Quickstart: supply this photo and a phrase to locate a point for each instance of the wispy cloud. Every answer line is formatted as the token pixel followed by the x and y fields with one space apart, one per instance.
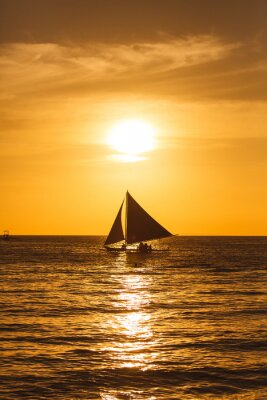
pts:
pixel 53 93
pixel 27 68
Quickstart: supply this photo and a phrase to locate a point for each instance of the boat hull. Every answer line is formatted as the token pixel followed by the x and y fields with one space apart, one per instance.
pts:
pixel 118 250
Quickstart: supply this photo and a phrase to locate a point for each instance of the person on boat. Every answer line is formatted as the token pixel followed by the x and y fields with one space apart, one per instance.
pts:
pixel 141 246
pixel 123 246
pixel 144 247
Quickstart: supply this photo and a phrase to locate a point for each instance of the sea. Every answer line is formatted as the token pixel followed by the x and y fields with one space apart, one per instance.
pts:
pixel 79 322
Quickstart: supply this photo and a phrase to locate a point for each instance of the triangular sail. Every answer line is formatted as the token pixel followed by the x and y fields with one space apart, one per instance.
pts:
pixel 140 225
pixel 116 232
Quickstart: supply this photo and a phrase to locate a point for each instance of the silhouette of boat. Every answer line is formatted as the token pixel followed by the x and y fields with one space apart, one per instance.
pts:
pixel 5 235
pixel 139 228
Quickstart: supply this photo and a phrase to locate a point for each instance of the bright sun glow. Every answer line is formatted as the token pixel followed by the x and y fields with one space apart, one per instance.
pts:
pixel 131 138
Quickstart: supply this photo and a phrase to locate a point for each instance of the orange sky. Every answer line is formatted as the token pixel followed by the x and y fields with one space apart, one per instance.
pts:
pixel 196 71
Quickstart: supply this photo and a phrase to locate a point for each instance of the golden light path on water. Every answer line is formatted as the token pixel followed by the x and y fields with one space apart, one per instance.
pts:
pixel 133 325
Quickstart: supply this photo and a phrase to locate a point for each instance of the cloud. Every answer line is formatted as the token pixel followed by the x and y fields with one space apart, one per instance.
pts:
pixel 53 93
pixel 47 67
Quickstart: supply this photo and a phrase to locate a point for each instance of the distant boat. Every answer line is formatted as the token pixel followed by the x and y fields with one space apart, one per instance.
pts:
pixel 139 228
pixel 5 235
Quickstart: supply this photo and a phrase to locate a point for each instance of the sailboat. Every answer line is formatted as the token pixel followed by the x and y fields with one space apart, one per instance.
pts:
pixel 5 235
pixel 139 227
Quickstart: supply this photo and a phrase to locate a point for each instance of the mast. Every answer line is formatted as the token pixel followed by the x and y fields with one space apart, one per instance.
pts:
pixel 126 216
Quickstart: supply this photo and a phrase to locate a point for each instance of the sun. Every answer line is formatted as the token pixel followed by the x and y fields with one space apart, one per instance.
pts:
pixel 131 138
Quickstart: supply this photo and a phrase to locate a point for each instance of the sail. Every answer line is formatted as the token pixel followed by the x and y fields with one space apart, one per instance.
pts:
pixel 116 232
pixel 140 225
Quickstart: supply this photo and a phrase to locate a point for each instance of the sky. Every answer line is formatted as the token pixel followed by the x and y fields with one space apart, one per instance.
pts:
pixel 195 71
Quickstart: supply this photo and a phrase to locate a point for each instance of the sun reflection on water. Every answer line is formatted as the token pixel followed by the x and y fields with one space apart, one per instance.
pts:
pixel 133 344
pixel 133 324
pixel 126 395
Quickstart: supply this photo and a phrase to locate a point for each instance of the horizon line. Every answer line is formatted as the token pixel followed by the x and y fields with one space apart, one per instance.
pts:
pixel 177 235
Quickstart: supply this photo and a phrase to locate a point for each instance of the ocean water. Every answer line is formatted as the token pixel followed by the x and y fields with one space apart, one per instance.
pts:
pixel 78 322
